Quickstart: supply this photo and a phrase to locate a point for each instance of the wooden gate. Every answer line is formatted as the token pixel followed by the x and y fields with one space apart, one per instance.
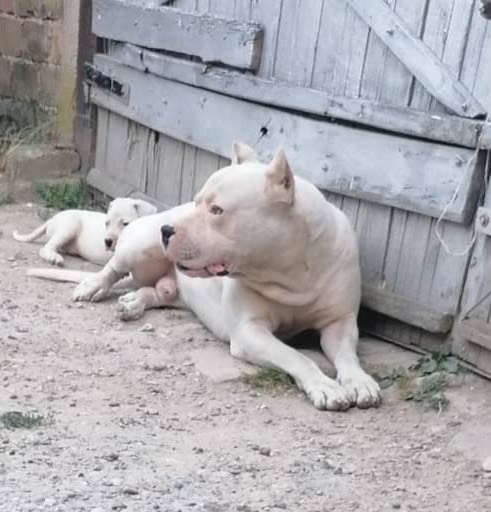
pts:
pixel 381 104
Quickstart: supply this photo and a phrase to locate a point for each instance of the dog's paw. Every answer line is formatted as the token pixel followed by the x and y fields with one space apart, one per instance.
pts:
pixel 363 391
pixel 51 257
pixel 130 306
pixel 89 290
pixel 327 394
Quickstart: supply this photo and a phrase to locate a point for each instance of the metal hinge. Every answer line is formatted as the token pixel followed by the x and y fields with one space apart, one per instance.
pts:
pixel 96 77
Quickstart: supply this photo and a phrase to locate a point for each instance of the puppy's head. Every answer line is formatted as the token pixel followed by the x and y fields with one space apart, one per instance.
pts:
pixel 240 221
pixel 120 213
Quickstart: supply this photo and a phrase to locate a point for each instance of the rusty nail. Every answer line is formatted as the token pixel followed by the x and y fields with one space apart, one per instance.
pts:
pixel 484 220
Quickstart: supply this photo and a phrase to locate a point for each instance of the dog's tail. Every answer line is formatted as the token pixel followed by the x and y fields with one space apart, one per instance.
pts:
pixel 59 274
pixel 41 230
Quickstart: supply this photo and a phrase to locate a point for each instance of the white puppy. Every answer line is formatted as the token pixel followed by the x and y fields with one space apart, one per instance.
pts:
pixel 90 235
pixel 138 253
pixel 293 263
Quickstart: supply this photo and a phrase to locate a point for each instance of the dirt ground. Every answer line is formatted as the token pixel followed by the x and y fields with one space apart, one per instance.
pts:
pixel 161 419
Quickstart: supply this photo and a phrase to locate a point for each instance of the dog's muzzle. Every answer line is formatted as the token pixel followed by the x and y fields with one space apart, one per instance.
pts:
pixel 167 232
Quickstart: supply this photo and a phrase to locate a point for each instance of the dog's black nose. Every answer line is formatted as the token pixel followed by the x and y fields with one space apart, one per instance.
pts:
pixel 167 231
pixel 108 242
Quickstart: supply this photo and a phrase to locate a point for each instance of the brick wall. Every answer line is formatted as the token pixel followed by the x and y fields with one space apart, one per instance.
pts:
pixel 30 46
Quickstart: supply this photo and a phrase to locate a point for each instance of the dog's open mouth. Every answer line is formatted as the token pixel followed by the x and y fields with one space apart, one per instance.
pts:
pixel 220 269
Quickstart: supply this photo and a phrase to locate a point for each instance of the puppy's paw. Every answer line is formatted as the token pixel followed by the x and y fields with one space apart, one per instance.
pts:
pixel 327 394
pixel 130 306
pixel 51 257
pixel 89 290
pixel 363 391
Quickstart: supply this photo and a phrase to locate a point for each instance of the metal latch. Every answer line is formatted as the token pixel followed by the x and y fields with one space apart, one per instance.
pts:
pixel 483 221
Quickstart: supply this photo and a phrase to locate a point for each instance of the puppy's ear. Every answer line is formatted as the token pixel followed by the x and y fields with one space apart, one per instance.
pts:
pixel 280 183
pixel 242 153
pixel 143 208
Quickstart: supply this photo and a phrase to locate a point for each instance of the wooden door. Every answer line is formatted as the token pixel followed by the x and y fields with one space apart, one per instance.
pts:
pixel 380 104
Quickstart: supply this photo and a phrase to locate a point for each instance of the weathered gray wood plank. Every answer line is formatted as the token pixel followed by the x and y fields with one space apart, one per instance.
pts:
pixel 408 174
pixel 476 331
pixel 188 169
pixel 268 14
pixel 100 180
pixel 396 82
pixel 170 167
pixel 417 57
pixel 408 311
pixel 205 165
pixel 212 39
pixel 295 39
pixel 451 129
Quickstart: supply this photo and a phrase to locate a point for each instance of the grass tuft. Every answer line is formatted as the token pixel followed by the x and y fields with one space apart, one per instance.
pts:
pixel 62 196
pixel 267 378
pixel 424 382
pixel 16 419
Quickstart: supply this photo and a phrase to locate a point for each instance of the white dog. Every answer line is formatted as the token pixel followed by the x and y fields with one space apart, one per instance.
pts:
pixel 293 263
pixel 139 253
pixel 90 235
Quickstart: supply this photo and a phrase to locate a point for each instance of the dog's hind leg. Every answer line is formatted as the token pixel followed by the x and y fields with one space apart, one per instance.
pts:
pixel 339 341
pixel 50 252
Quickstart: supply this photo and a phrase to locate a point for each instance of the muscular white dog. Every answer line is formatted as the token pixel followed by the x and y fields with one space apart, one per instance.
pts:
pixel 293 264
pixel 90 235
pixel 138 253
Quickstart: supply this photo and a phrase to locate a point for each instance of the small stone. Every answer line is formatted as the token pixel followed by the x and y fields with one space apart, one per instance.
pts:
pixel 338 471
pixel 327 464
pixel 72 404
pixel 130 491
pixel 255 447
pixel 454 423
pixel 119 506
pixel 147 328
pixel 189 339
pixel 111 457
pixel 114 404
pixel 14 396
pixel 486 465
pixel 396 506
pixel 265 451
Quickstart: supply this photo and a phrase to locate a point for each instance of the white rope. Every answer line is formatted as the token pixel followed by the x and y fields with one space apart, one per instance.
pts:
pixel 438 232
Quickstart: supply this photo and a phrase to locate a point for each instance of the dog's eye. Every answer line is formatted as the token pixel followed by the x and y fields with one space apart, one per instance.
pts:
pixel 125 223
pixel 106 223
pixel 216 210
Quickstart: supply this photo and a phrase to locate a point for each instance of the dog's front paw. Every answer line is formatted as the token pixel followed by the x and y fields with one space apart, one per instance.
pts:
pixel 327 394
pixel 89 290
pixel 131 306
pixel 363 391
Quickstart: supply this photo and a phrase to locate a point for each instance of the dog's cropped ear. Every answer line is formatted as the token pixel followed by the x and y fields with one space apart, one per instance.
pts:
pixel 144 208
pixel 242 153
pixel 280 183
